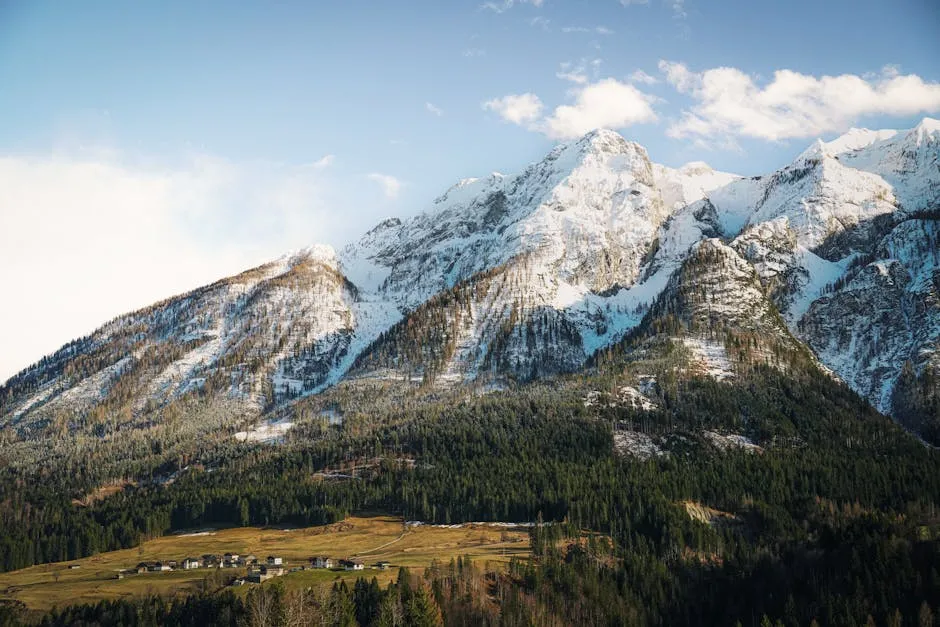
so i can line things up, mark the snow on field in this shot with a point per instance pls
(270, 432)
(710, 357)
(498, 525)
(192, 534)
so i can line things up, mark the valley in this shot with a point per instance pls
(370, 539)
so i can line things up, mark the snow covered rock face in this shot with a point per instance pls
(528, 275)
(586, 214)
(716, 289)
(266, 333)
(884, 313)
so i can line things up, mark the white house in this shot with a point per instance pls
(321, 561)
(190, 563)
(275, 561)
(352, 565)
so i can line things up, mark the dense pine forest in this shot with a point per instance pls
(833, 519)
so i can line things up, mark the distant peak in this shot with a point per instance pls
(817, 151)
(927, 128)
(693, 168)
(602, 140)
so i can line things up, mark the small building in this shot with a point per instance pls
(173, 564)
(275, 561)
(143, 567)
(322, 561)
(119, 576)
(257, 577)
(230, 560)
(74, 566)
(159, 567)
(351, 564)
(190, 563)
(209, 560)
(249, 559)
(264, 573)
(382, 565)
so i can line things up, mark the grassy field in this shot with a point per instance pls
(370, 539)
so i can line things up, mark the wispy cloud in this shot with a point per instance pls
(600, 30)
(578, 72)
(324, 162)
(433, 109)
(540, 21)
(505, 5)
(639, 76)
(678, 9)
(390, 185)
(473, 52)
(729, 102)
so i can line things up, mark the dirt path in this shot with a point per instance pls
(382, 546)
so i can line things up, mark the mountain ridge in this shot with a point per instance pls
(544, 268)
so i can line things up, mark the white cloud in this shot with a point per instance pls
(85, 237)
(474, 52)
(433, 109)
(640, 76)
(627, 3)
(390, 185)
(730, 103)
(516, 108)
(605, 104)
(540, 21)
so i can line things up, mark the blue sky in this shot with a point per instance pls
(149, 147)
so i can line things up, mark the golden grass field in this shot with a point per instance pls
(370, 539)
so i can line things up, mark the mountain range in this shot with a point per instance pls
(506, 279)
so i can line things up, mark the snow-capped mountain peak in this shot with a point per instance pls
(528, 274)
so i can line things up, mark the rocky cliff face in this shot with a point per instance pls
(528, 275)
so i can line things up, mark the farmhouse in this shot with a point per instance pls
(351, 564)
(190, 563)
(382, 565)
(275, 561)
(321, 561)
(230, 560)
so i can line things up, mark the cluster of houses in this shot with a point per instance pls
(258, 571)
(229, 560)
(267, 571)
